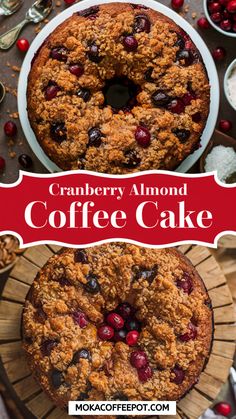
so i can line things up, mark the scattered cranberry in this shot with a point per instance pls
(125, 310)
(177, 4)
(51, 91)
(216, 17)
(115, 321)
(130, 43)
(23, 44)
(59, 53)
(76, 69)
(143, 136)
(69, 1)
(138, 359)
(219, 54)
(225, 125)
(120, 335)
(80, 318)
(185, 284)
(179, 375)
(2, 163)
(176, 106)
(190, 335)
(132, 337)
(226, 25)
(231, 6)
(144, 374)
(214, 7)
(203, 23)
(105, 332)
(25, 161)
(10, 129)
(223, 408)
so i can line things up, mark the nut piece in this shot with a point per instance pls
(9, 249)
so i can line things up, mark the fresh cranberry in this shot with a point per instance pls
(219, 54)
(69, 1)
(10, 129)
(185, 284)
(223, 2)
(130, 43)
(223, 408)
(188, 97)
(2, 163)
(59, 53)
(203, 23)
(190, 335)
(132, 337)
(177, 4)
(47, 346)
(132, 324)
(231, 6)
(142, 24)
(179, 375)
(143, 136)
(76, 69)
(226, 14)
(120, 335)
(51, 91)
(176, 106)
(197, 117)
(234, 17)
(105, 332)
(138, 359)
(115, 321)
(25, 161)
(95, 137)
(225, 125)
(144, 374)
(125, 310)
(226, 25)
(80, 318)
(214, 7)
(216, 17)
(23, 44)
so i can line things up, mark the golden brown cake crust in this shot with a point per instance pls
(164, 307)
(173, 135)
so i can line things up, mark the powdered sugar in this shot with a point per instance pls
(222, 159)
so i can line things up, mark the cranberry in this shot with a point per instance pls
(234, 17)
(223, 408)
(160, 98)
(84, 94)
(176, 106)
(226, 25)
(125, 310)
(144, 374)
(143, 136)
(59, 53)
(214, 7)
(203, 23)
(179, 375)
(120, 335)
(92, 286)
(76, 69)
(69, 1)
(223, 2)
(64, 282)
(2, 163)
(58, 131)
(47, 346)
(93, 53)
(10, 129)
(57, 378)
(80, 256)
(177, 4)
(148, 75)
(219, 54)
(25, 161)
(197, 117)
(132, 159)
(132, 324)
(95, 137)
(226, 14)
(91, 11)
(185, 284)
(115, 320)
(105, 332)
(225, 125)
(182, 134)
(142, 24)
(185, 57)
(216, 17)
(23, 44)
(190, 335)
(147, 274)
(130, 43)
(138, 359)
(188, 97)
(82, 353)
(51, 91)
(231, 6)
(132, 337)
(80, 318)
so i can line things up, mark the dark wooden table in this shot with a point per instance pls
(11, 60)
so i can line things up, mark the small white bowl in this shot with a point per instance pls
(218, 28)
(226, 78)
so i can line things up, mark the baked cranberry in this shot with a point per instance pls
(231, 6)
(106, 332)
(144, 374)
(148, 75)
(82, 353)
(57, 378)
(125, 310)
(182, 134)
(180, 41)
(93, 53)
(143, 136)
(47, 346)
(115, 320)
(216, 17)
(197, 117)
(120, 335)
(138, 359)
(176, 106)
(139, 6)
(2, 163)
(91, 11)
(185, 284)
(58, 131)
(142, 24)
(188, 98)
(84, 94)
(132, 159)
(160, 98)
(219, 54)
(225, 125)
(177, 4)
(64, 282)
(69, 2)
(130, 43)
(51, 91)
(147, 274)
(203, 23)
(226, 25)
(23, 44)
(92, 285)
(80, 256)
(132, 324)
(190, 335)
(76, 69)
(185, 57)
(132, 338)
(95, 137)
(10, 128)
(80, 318)
(214, 7)
(179, 375)
(25, 161)
(222, 408)
(59, 53)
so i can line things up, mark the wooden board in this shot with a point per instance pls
(29, 392)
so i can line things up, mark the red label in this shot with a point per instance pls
(150, 208)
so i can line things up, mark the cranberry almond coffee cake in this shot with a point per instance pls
(118, 88)
(117, 322)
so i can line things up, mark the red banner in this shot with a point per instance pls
(150, 208)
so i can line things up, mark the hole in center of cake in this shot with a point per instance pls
(120, 93)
